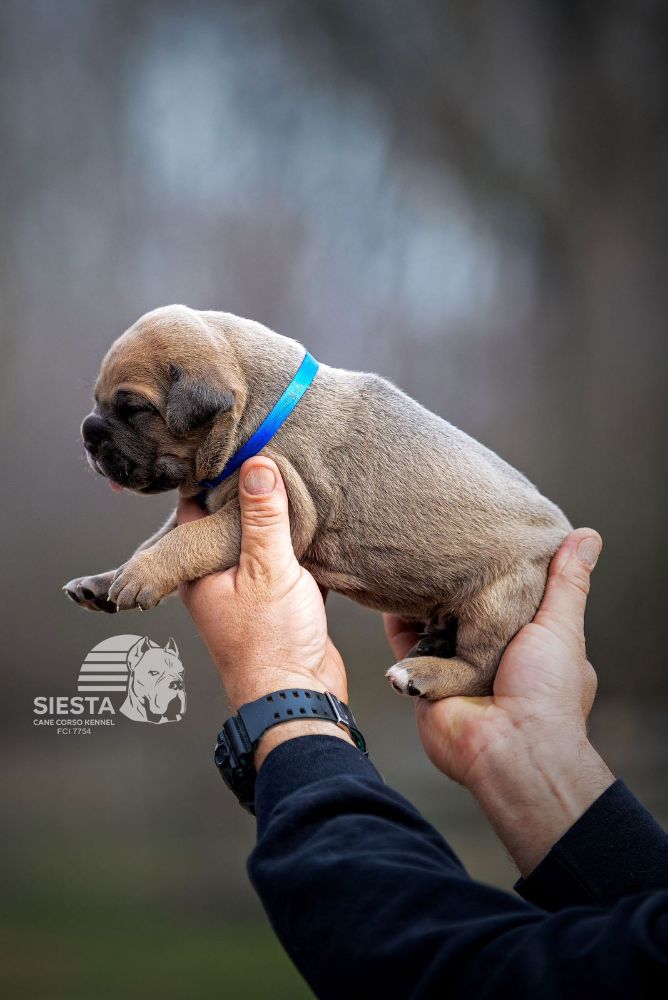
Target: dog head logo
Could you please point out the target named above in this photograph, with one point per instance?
(156, 691)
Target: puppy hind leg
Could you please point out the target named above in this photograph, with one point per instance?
(426, 666)
(433, 677)
(486, 624)
(438, 638)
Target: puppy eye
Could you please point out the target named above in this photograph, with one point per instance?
(126, 410)
(153, 673)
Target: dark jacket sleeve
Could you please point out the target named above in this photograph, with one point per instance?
(616, 849)
(369, 900)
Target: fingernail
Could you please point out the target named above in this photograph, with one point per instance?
(259, 480)
(589, 550)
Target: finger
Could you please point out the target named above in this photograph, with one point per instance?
(188, 510)
(565, 598)
(401, 634)
(266, 546)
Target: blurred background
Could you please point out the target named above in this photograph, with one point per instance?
(468, 197)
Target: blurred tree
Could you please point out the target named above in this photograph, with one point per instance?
(554, 119)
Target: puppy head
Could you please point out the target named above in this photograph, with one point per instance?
(167, 400)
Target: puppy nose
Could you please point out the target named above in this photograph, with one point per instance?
(176, 685)
(93, 431)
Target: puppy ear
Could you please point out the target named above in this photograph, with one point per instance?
(137, 651)
(191, 402)
(171, 647)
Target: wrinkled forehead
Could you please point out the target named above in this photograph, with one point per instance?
(141, 357)
(129, 366)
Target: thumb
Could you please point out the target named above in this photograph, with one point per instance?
(266, 547)
(568, 581)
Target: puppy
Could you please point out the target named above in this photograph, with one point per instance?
(389, 504)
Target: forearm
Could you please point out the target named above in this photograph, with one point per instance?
(535, 789)
(194, 549)
(615, 850)
(347, 870)
(368, 899)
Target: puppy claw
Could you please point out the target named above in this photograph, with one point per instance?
(413, 690)
(126, 600)
(129, 593)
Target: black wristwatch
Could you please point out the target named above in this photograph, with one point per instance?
(235, 747)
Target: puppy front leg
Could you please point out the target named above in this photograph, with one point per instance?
(169, 525)
(91, 592)
(188, 552)
(211, 543)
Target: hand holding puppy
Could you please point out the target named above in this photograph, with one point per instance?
(523, 751)
(264, 621)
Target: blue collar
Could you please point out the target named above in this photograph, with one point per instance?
(271, 423)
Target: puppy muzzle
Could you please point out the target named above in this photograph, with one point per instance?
(126, 473)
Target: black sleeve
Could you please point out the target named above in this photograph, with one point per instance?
(369, 900)
(615, 849)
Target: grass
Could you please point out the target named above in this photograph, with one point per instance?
(57, 948)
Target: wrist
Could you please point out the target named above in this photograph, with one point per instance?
(249, 684)
(293, 730)
(259, 726)
(534, 790)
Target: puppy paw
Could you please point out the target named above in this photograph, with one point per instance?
(91, 592)
(433, 677)
(401, 679)
(140, 583)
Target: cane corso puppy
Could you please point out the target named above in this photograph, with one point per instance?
(389, 504)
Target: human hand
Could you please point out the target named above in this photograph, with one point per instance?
(524, 752)
(264, 621)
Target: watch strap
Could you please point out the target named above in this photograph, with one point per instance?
(237, 740)
(296, 703)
